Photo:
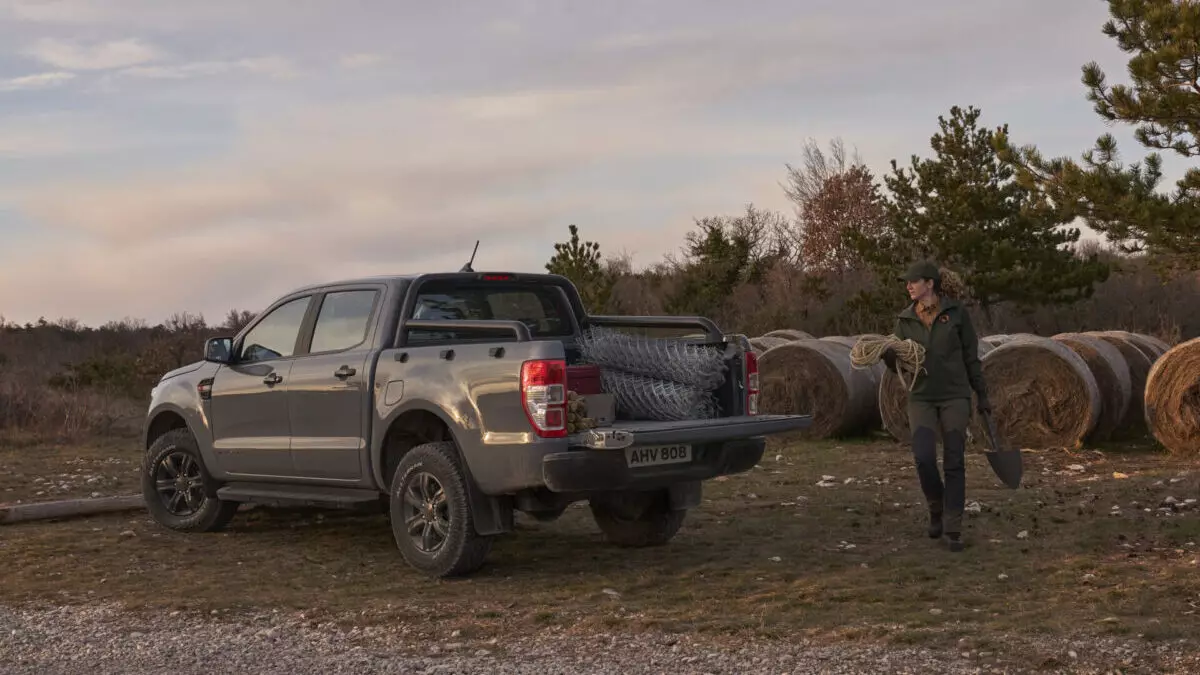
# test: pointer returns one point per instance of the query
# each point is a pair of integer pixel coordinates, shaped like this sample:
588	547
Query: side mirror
218	350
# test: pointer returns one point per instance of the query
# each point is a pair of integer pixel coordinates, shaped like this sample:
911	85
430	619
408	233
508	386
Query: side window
343	320
275	336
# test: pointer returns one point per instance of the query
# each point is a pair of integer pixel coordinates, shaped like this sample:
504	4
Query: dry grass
770	554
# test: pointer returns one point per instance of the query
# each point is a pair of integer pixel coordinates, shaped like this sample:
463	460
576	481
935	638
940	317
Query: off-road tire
461	550
206	513
654	526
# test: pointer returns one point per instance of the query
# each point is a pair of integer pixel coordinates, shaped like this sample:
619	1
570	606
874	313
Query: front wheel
177	489
430	514
637	520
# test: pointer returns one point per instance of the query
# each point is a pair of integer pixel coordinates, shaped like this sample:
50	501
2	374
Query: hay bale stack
1173	399
1139	361
1043	394
814	377
789	334
893	401
1112	377
763	343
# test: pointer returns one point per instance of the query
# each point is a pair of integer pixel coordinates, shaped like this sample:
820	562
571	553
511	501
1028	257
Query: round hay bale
1043	394
763	343
814	377
1173	399
788	334
1134	339
872	377
893	402
1112	377
1158	347
1133	423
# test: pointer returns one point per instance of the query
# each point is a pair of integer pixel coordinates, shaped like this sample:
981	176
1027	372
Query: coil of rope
910	356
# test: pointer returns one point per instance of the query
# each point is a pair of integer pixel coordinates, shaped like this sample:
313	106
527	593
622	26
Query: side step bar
270	494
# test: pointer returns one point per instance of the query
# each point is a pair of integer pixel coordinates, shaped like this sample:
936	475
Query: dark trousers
950	419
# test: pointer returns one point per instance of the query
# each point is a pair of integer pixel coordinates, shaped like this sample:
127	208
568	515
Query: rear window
540	307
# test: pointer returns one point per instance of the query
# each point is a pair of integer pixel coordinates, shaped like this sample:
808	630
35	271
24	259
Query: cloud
103	56
36	81
361	60
268	66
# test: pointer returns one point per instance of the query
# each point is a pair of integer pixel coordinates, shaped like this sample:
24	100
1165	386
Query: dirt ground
824	540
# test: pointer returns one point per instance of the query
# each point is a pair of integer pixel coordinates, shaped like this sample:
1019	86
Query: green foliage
964	209
581	262
1163	101
723	253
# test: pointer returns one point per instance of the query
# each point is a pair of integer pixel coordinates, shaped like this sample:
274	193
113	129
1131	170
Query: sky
158	157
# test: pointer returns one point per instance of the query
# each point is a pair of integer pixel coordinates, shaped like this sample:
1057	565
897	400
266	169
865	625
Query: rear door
251	430
328	398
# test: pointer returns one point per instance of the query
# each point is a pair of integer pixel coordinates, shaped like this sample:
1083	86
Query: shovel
1006	463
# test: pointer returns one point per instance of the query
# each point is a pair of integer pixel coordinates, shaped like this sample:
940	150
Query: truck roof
398	278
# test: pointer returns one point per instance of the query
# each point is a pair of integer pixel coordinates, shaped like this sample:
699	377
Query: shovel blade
1005	463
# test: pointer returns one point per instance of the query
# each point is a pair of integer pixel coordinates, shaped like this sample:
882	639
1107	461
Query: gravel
104	639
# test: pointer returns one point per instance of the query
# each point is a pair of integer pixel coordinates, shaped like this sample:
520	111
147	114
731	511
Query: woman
940	400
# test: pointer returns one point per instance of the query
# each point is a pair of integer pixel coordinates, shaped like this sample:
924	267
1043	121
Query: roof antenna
467	267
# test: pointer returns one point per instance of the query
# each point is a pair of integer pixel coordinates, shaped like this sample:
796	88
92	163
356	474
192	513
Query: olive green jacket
952	368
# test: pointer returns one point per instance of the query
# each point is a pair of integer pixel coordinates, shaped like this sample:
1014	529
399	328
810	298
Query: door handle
344	372
273	378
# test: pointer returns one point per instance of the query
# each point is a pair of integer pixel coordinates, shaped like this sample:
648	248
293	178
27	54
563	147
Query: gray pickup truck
347	395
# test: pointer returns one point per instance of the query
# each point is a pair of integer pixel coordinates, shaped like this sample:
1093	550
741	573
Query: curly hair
951	285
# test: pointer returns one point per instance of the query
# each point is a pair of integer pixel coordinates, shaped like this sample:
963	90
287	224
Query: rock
456	633
935	611
1002	577
129	533
1073	654
1077	467
612	592
1023	534
973	507
482	653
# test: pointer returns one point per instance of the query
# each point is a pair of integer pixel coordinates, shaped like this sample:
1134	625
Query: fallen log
68	508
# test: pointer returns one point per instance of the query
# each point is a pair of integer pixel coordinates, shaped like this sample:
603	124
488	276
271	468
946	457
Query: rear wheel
637	519
430	514
177	489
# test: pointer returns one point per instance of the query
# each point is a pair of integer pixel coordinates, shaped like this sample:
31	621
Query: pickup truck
439	399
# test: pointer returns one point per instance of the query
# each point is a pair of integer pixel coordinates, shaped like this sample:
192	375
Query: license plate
655	455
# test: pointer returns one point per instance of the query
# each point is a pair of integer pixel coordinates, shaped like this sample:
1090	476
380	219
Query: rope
909	356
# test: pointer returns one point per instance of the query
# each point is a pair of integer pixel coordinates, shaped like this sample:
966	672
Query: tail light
751	383
544	396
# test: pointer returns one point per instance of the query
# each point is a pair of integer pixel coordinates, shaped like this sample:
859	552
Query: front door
329	393
251	429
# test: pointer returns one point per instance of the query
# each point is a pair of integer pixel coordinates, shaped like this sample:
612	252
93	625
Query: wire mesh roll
700	366
649	398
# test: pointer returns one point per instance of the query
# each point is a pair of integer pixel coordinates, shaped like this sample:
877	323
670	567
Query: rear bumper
586	470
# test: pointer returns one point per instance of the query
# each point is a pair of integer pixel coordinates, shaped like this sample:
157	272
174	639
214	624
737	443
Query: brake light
544	396
751	383
497	277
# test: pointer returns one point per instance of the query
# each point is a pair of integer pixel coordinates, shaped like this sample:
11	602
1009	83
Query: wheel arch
418	424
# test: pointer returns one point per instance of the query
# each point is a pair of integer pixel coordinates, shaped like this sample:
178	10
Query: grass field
1087	547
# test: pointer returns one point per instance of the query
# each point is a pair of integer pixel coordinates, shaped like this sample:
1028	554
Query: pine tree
964	209
1163	101
581	262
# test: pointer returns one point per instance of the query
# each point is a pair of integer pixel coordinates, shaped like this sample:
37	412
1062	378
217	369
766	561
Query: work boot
935	523
956	543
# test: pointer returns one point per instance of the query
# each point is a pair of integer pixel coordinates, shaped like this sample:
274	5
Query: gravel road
95	640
